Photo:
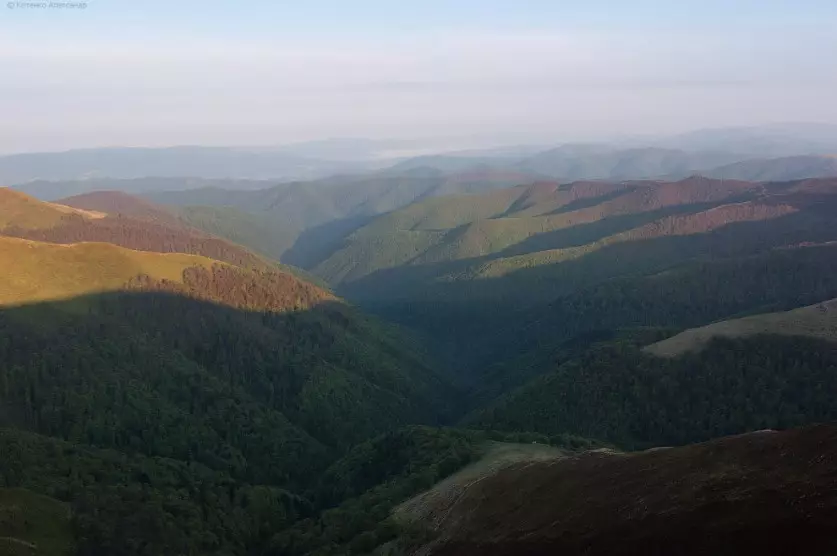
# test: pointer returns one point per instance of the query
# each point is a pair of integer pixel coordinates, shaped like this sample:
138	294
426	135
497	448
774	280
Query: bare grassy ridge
760	493
142	236
33	525
117	218
817	321
20	210
117	202
38	271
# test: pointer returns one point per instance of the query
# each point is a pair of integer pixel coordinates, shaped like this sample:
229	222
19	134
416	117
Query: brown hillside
130	222
117	202
48	271
21	210
764	493
39	271
141	235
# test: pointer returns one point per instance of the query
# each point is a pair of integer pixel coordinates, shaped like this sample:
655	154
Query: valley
373	364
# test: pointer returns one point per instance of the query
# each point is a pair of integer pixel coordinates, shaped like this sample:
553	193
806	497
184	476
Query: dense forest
617	393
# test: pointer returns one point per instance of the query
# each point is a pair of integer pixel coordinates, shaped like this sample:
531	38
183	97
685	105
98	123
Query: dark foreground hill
764	493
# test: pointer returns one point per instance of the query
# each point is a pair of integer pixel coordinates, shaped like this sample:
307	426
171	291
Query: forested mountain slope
126	372
181	394
522	226
316	216
588	256
621	395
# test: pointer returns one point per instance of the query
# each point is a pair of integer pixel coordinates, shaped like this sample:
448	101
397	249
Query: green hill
119	203
523	226
22	211
118	219
816	321
47	271
32	524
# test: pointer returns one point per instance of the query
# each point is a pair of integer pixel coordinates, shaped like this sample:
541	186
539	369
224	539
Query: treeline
254	290
619	394
141	235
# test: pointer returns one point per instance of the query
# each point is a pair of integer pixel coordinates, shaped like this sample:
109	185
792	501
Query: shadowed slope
33	525
761	493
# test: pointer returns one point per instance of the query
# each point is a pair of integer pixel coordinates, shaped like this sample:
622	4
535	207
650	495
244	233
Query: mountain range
422	359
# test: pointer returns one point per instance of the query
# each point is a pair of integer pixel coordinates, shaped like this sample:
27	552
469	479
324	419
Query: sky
265	72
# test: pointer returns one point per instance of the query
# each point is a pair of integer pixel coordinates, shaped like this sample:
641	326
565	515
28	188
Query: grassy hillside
118	202
375	477
816	321
762	493
32	525
46	271
20	210
116	218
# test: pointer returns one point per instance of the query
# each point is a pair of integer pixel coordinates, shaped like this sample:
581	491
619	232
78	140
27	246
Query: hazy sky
149	72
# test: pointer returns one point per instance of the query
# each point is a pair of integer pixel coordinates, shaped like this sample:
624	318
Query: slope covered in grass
817	321
120	219
761	493
20	210
117	202
33	524
44	271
